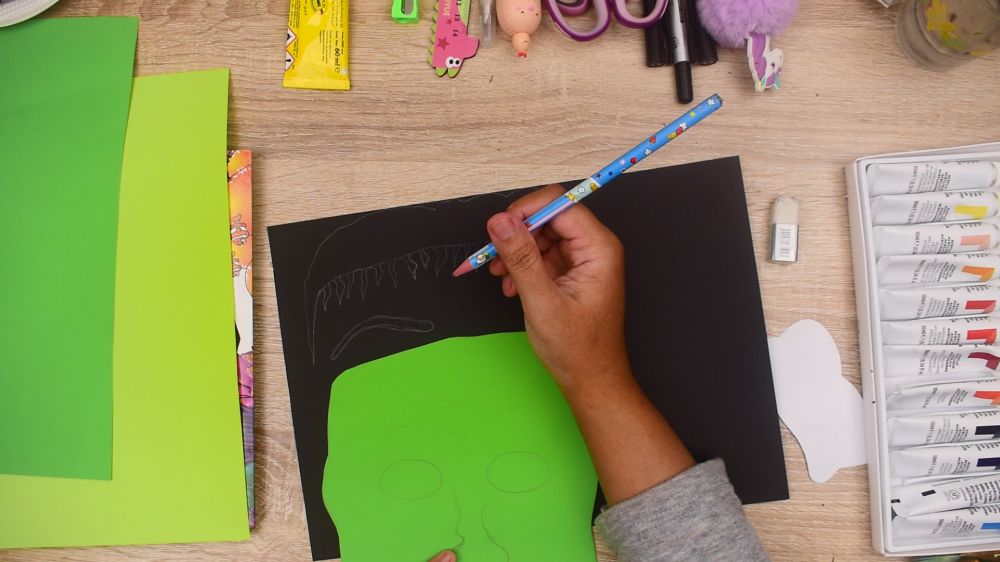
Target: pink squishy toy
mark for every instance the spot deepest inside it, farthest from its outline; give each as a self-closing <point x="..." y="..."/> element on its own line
<point x="519" y="19"/>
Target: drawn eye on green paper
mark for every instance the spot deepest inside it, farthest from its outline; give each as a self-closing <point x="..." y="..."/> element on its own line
<point x="518" y="472"/>
<point x="411" y="479"/>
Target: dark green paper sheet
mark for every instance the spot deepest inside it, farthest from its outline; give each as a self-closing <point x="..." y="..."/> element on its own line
<point x="466" y="443"/>
<point x="64" y="99"/>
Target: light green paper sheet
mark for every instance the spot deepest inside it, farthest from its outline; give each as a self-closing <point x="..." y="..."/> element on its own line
<point x="64" y="97"/>
<point x="465" y="443"/>
<point x="178" y="462"/>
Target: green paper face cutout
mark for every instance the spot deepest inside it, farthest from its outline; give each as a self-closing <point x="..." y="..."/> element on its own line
<point x="465" y="443"/>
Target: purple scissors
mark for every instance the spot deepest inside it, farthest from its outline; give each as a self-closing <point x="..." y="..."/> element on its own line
<point x="602" y="8"/>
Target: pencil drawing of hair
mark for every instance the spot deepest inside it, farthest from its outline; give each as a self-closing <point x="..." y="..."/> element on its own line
<point x="342" y="274"/>
<point x="355" y="283"/>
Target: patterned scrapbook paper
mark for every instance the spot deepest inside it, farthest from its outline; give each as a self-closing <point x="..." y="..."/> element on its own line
<point x="241" y="234"/>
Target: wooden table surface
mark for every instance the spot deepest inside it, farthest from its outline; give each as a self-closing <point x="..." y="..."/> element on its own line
<point x="404" y="136"/>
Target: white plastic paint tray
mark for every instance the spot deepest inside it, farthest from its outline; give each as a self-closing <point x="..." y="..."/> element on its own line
<point x="870" y="344"/>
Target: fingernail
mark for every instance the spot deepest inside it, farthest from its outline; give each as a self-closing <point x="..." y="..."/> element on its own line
<point x="501" y="227"/>
<point x="446" y="557"/>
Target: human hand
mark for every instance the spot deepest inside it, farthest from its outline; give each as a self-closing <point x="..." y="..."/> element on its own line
<point x="570" y="275"/>
<point x="571" y="279"/>
<point x="444" y="556"/>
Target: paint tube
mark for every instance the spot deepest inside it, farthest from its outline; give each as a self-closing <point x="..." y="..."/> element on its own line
<point x="973" y="361"/>
<point x="939" y="302"/>
<point x="316" y="45"/>
<point x="981" y="393"/>
<point x="939" y="460"/>
<point x="891" y="385"/>
<point x="970" y="522"/>
<point x="922" y="177"/>
<point x="942" y="331"/>
<point x="934" y="497"/>
<point x="909" y="431"/>
<point x="944" y="206"/>
<point x="941" y="269"/>
<point x="946" y="238"/>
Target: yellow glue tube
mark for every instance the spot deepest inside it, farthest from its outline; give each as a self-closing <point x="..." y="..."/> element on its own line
<point x="316" y="45"/>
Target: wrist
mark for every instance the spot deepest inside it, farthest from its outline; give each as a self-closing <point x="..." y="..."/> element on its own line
<point x="596" y="378"/>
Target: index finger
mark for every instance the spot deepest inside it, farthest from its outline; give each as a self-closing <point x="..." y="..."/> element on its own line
<point x="529" y="204"/>
<point x="575" y="222"/>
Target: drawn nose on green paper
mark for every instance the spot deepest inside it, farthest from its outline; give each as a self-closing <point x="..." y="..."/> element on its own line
<point x="473" y="528"/>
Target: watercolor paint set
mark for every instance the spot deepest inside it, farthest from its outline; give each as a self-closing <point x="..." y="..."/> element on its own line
<point x="926" y="248"/>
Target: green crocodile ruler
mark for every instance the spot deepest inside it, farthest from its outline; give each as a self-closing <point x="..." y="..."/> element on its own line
<point x="450" y="40"/>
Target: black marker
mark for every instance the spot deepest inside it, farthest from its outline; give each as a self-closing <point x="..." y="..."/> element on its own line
<point x="682" y="66"/>
<point x="656" y="52"/>
<point x="702" y="45"/>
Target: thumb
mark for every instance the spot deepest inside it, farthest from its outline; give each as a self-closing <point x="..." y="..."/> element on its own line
<point x="444" y="556"/>
<point x="519" y="252"/>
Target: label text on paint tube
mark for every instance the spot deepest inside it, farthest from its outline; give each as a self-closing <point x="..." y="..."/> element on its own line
<point x="316" y="45"/>
<point x="922" y="177"/>
<point x="947" y="238"/>
<point x="970" y="522"/>
<point x="939" y="302"/>
<point x="942" y="331"/>
<point x="933" y="497"/>
<point x="938" y="269"/>
<point x="968" y="394"/>
<point x="909" y="431"/>
<point x="976" y="361"/>
<point x="942" y="460"/>
<point x="945" y="206"/>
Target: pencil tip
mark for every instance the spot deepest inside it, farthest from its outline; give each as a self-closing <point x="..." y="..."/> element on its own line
<point x="462" y="269"/>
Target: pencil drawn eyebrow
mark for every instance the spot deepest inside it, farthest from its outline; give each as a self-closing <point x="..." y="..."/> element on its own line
<point x="394" y="323"/>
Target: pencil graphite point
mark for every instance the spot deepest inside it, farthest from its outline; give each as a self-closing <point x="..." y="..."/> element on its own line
<point x="462" y="269"/>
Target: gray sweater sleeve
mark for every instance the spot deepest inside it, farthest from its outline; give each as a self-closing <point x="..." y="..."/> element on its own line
<point x="693" y="516"/>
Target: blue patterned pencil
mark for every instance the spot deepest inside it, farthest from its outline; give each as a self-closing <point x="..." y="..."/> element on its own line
<point x="601" y="178"/>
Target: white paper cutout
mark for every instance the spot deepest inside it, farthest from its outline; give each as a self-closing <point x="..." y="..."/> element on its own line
<point x="821" y="408"/>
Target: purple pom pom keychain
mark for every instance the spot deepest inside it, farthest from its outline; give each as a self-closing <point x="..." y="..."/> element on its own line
<point x="750" y="24"/>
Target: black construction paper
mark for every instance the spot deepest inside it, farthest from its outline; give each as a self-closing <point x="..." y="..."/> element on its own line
<point x="355" y="288"/>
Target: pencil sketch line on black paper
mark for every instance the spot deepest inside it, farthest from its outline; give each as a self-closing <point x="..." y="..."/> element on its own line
<point x="358" y="282"/>
<point x="394" y="323"/>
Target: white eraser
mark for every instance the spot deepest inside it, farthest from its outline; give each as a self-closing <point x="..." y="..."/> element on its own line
<point x="785" y="230"/>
